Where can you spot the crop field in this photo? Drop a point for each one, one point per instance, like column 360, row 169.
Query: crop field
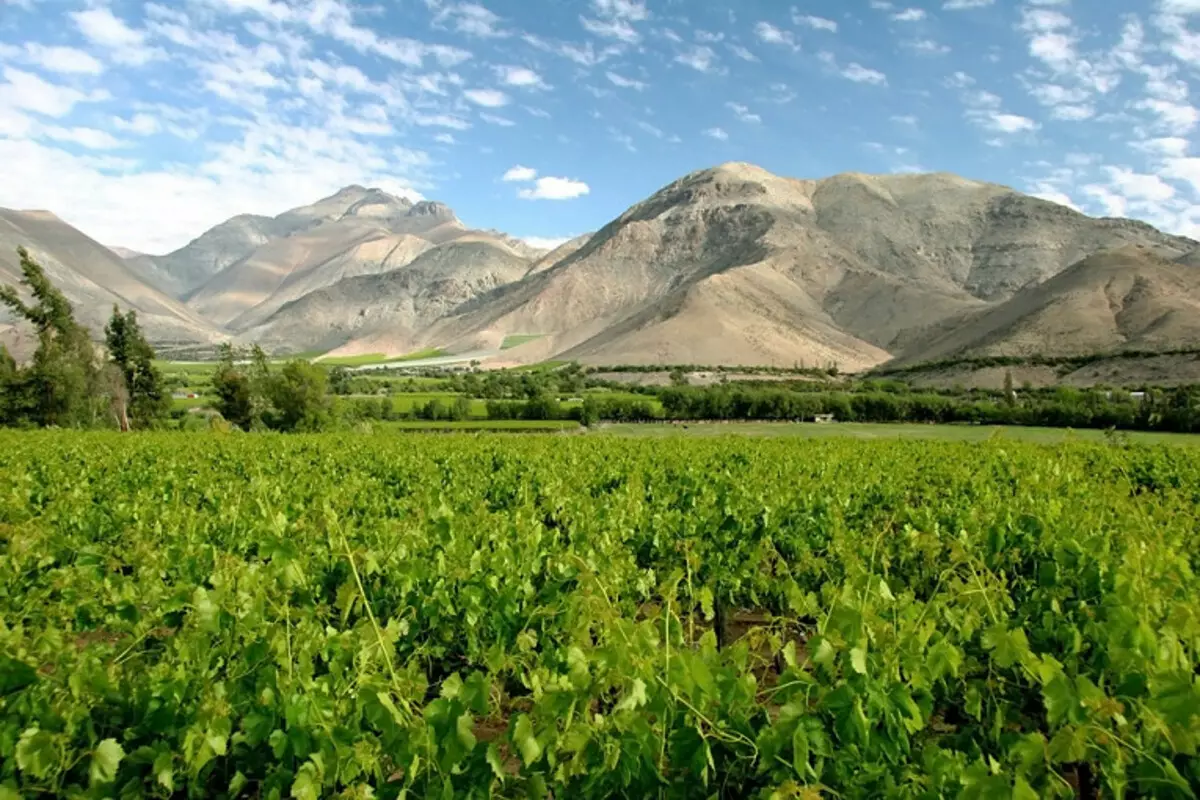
column 876, row 430
column 596, row 616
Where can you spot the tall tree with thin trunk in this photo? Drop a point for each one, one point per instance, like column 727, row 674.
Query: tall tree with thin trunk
column 132, row 355
column 61, row 386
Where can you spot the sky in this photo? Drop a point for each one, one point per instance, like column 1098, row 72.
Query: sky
column 145, row 123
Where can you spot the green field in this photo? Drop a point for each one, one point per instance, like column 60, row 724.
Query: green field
column 425, row 616
column 863, row 430
column 483, row 426
column 516, row 340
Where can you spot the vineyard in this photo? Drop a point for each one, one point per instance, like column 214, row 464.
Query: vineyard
column 587, row 617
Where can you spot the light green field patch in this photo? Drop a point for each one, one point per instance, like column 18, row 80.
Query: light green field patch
column 518, row 339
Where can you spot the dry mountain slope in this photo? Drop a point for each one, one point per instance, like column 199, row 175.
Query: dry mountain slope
column 94, row 278
column 353, row 233
column 390, row 311
column 1122, row 299
column 736, row 265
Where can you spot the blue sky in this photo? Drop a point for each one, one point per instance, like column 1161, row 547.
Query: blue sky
column 146, row 123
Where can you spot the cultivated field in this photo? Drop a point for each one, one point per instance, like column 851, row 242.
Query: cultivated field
column 592, row 616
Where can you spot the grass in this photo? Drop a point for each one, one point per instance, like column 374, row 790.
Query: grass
column 859, row 430
column 354, row 361
column 191, row 402
column 475, row 425
column 518, row 339
column 428, row 352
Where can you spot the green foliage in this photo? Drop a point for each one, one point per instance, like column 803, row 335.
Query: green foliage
column 299, row 399
column 314, row 616
column 62, row 387
column 148, row 399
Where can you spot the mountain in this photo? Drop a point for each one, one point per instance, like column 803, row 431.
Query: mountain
column 737, row 265
column 1123, row 299
column 392, row 311
column 93, row 278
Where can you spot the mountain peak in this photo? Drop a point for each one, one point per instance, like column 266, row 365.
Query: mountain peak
column 432, row 208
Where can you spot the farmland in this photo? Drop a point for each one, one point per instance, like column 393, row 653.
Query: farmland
column 596, row 616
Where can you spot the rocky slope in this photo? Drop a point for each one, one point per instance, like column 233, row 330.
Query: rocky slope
column 736, row 265
column 1122, row 299
column 390, row 312
column 93, row 278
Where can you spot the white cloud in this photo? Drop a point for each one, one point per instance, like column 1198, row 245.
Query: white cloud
column 717, row 133
column 699, row 58
column 27, row 91
column 519, row 174
column 860, row 74
column 905, row 119
column 743, row 113
column 550, row 188
column 909, row 15
column 90, row 138
column 768, row 33
column 67, row 60
column 496, row 119
column 488, row 98
column 814, row 22
column 445, row 138
column 653, row 130
column 927, row 47
column 470, row 19
column 125, row 45
column 742, row 53
column 1007, row 123
column 1140, row 186
column 962, row 5
column 519, row 76
column 615, row 19
column 1177, row 119
column 546, row 242
column 141, row 123
column 624, row 83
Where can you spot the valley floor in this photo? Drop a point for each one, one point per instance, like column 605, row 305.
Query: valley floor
column 864, row 430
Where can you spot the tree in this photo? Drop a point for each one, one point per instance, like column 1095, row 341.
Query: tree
column 147, row 398
column 235, row 397
column 1010, row 396
column 298, row 396
column 61, row 386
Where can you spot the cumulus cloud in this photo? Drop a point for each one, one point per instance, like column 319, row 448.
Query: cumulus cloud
column 717, row 133
column 521, row 77
column 909, row 15
column 519, row 174
column 551, row 188
column 546, row 242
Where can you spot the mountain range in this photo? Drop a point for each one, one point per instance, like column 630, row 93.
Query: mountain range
column 729, row 265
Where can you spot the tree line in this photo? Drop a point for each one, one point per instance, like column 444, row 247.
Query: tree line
column 70, row 382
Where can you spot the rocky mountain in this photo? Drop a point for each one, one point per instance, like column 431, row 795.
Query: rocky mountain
column 93, row 278
column 356, row 232
column 737, row 265
column 729, row 265
column 1117, row 300
column 391, row 312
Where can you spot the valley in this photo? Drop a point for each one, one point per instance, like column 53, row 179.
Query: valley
column 726, row 266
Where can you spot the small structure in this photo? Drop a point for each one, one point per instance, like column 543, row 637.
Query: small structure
column 824, row 418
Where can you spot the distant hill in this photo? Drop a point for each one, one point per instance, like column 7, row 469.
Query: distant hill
column 93, row 278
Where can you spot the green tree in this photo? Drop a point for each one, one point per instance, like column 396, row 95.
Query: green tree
column 1010, row 396
column 235, row 395
column 298, row 396
column 147, row 397
column 62, row 385
column 10, row 388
